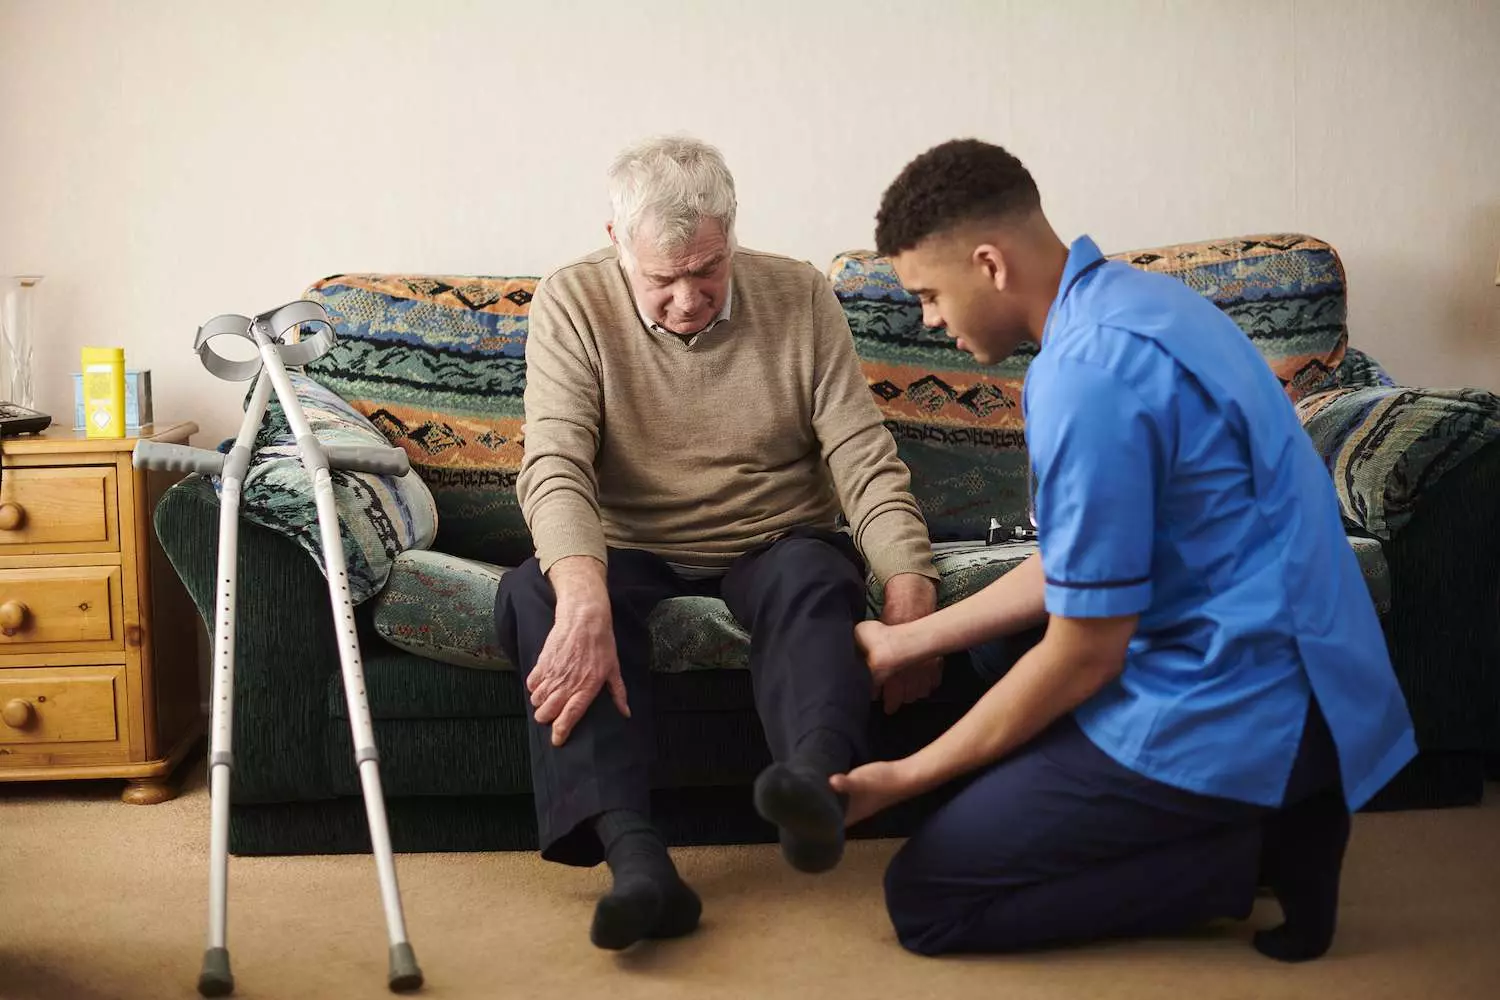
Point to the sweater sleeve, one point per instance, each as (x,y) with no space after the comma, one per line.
(557,487)
(873,484)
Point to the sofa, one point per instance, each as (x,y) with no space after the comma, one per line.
(436,366)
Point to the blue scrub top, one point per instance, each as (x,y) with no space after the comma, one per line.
(1174,481)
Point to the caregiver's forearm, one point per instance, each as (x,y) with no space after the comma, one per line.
(1075,659)
(1011,604)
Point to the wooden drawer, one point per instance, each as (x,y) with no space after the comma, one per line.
(61,705)
(46,509)
(60,610)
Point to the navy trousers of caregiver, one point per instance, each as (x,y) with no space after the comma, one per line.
(1059,844)
(798,597)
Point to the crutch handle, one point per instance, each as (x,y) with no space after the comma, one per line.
(177,458)
(363,458)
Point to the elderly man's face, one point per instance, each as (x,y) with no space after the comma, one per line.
(684,290)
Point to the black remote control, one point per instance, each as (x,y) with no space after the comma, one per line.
(19,420)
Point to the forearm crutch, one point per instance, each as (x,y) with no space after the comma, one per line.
(268,332)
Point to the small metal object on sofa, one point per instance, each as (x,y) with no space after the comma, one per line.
(999,533)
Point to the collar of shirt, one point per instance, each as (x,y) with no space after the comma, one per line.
(1083,256)
(722,317)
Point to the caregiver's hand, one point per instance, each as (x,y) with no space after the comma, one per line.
(873,788)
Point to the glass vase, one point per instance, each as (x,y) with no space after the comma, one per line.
(17,306)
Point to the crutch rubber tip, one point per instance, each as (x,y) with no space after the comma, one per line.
(405,976)
(216,980)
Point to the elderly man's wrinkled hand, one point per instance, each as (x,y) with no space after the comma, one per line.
(898,679)
(911,684)
(578,660)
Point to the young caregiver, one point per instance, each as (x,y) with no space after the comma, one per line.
(1212,696)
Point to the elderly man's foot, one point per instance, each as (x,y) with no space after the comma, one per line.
(649,899)
(637,909)
(810,816)
(809,813)
(796,796)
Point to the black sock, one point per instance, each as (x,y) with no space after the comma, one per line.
(649,899)
(1301,860)
(795,795)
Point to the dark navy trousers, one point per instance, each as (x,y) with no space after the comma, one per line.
(1059,844)
(798,596)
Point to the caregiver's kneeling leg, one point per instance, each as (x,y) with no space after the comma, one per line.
(1060,844)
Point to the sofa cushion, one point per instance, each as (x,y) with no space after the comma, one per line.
(1387,445)
(443,607)
(439,365)
(964,569)
(379,516)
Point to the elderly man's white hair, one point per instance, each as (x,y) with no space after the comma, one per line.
(669,185)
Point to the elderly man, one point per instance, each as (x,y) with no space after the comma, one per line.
(696,420)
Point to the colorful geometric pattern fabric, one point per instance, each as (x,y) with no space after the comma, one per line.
(1285,290)
(958,426)
(1359,370)
(379,516)
(438,364)
(1386,445)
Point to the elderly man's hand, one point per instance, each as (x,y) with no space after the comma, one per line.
(908,597)
(577,661)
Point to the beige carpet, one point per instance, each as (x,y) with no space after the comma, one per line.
(103,900)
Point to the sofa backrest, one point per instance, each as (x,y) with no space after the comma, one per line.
(438,364)
(958,426)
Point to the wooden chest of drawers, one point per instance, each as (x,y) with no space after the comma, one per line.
(99,669)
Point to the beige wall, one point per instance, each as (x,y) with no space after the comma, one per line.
(162,162)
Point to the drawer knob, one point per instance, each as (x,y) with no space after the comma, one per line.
(12,516)
(17,713)
(12,617)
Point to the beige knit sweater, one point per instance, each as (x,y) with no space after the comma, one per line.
(700,451)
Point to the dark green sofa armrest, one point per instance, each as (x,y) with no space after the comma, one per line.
(285,649)
(1386,446)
